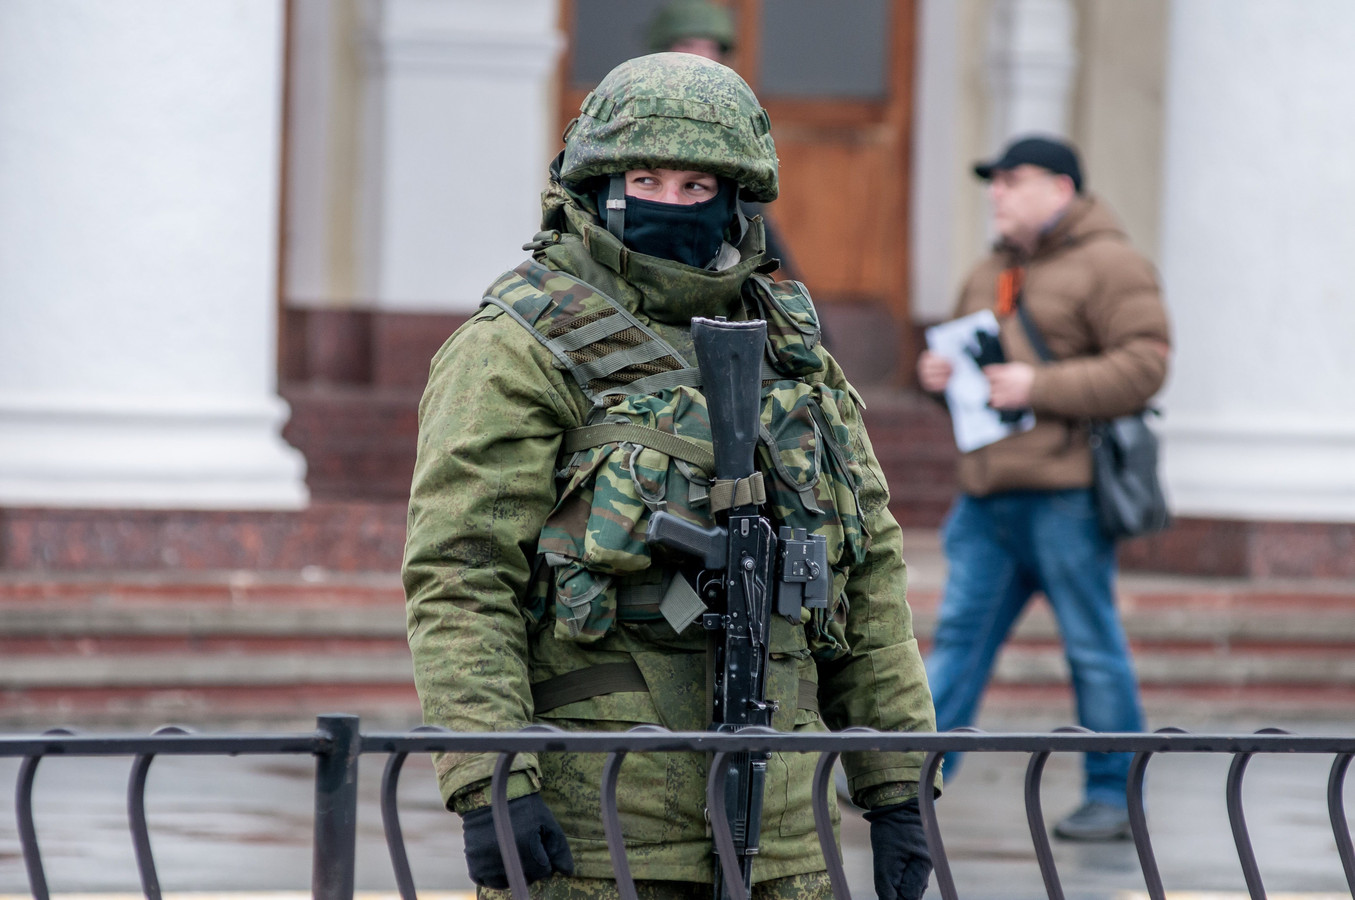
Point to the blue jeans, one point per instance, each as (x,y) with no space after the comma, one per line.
(1002,548)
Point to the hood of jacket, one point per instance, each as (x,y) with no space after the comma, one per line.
(1086,218)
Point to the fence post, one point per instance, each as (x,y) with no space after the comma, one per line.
(336,808)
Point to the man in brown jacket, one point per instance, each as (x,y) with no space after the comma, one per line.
(1025,520)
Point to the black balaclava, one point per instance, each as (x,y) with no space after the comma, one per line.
(690,234)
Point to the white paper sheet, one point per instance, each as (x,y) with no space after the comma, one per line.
(976,424)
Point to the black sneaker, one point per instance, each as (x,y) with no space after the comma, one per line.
(1094,821)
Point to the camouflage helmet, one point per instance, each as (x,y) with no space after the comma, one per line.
(684,19)
(673,111)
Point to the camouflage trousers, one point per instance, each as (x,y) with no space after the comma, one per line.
(810,886)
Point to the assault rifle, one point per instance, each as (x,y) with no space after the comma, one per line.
(749,573)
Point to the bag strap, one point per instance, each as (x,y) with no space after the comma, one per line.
(1032,333)
(1042,350)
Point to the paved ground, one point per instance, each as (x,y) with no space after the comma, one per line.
(243,824)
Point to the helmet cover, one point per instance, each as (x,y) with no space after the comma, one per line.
(673,111)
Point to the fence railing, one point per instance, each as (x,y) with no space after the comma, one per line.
(337,744)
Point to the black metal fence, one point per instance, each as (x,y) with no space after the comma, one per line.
(337,744)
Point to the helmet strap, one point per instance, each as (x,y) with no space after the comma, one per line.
(741,223)
(615,213)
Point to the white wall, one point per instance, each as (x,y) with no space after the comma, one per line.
(1118,112)
(460,120)
(987,70)
(1258,237)
(139,155)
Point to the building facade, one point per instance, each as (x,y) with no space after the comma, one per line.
(178,245)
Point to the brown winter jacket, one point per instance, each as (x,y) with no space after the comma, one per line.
(1097,303)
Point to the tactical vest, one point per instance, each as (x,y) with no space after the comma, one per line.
(647,446)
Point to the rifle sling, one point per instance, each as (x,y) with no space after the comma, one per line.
(612,678)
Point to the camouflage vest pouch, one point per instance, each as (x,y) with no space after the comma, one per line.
(648,447)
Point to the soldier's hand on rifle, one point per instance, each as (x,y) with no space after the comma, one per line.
(540,843)
(903,866)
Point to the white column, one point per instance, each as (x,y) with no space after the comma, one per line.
(139,157)
(1258,235)
(460,131)
(936,157)
(1032,57)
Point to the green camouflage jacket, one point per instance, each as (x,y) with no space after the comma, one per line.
(492,422)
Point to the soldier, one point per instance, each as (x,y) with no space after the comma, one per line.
(707,29)
(546,440)
(693,26)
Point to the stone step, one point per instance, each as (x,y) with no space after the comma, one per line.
(382,706)
(188,670)
(1228,620)
(359,441)
(1043,664)
(326,536)
(205,646)
(1304,618)
(202,588)
(195,620)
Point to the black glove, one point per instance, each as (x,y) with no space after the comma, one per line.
(903,866)
(987,351)
(540,842)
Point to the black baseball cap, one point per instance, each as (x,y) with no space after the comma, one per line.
(1047,153)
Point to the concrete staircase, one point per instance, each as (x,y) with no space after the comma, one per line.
(202,649)
(911,436)
(1207,650)
(215,648)
(359,441)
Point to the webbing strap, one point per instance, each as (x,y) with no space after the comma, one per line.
(659,381)
(808,695)
(622,677)
(688,377)
(647,595)
(616,206)
(513,313)
(619,359)
(594,331)
(581,684)
(673,445)
(655,348)
(732,492)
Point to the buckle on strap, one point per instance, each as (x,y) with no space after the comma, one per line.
(733,492)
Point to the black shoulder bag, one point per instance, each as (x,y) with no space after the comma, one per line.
(1129,497)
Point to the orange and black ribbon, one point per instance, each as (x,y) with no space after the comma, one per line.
(1009,282)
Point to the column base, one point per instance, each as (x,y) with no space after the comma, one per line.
(1295,471)
(211,454)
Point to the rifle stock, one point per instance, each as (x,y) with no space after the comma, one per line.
(730,357)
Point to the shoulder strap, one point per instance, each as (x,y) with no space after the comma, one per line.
(598,341)
(1033,334)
